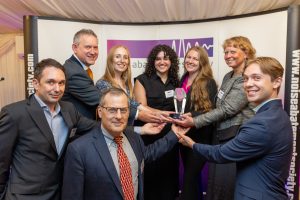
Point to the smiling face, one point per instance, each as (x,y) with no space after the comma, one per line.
(114,123)
(258,86)
(162,63)
(192,63)
(51,86)
(120,60)
(86,49)
(234,57)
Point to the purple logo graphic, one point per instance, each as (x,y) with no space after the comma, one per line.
(141,48)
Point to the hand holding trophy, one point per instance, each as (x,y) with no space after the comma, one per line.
(179,103)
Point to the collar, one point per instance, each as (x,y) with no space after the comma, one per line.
(155,76)
(83,65)
(44,106)
(262,104)
(108,137)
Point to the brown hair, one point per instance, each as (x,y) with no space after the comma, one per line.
(269,66)
(174,68)
(43,64)
(199,94)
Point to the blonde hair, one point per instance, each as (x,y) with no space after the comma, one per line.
(199,94)
(109,73)
(269,66)
(242,43)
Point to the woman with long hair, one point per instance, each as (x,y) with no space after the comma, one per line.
(118,74)
(201,88)
(155,88)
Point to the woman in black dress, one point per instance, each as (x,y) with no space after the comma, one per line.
(155,88)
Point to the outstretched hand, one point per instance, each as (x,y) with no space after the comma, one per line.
(179,130)
(164,116)
(185,120)
(149,116)
(185,140)
(152,128)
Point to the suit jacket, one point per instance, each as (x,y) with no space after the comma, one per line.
(232,107)
(262,150)
(81,91)
(90,173)
(28,150)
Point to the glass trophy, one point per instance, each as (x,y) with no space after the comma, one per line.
(179,102)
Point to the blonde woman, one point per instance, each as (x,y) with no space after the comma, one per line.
(118,74)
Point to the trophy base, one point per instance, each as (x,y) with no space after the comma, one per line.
(175,115)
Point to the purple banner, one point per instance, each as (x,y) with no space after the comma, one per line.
(141,48)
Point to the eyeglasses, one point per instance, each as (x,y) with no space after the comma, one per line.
(113,110)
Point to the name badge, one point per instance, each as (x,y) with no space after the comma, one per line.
(73,131)
(220,94)
(169,93)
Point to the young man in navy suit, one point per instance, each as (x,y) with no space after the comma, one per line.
(263,146)
(92,170)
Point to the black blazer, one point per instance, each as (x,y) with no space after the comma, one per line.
(80,89)
(28,147)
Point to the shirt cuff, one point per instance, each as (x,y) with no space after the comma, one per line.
(138,129)
(136,114)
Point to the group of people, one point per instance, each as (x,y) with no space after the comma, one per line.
(133,150)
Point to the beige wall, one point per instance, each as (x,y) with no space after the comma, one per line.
(12,88)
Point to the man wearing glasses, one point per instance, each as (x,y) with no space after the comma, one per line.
(108,162)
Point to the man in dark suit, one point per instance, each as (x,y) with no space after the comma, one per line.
(92,167)
(80,88)
(34,134)
(263,145)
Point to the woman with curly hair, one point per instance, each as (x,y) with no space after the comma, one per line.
(118,74)
(155,88)
(201,89)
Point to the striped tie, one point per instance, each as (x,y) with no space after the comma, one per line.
(125,171)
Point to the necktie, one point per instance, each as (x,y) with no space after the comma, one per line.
(125,171)
(89,72)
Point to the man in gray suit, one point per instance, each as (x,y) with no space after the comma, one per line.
(80,88)
(34,134)
(263,145)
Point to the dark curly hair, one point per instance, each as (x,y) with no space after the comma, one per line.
(174,68)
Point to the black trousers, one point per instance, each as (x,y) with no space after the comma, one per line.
(193,165)
(221,178)
(161,177)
